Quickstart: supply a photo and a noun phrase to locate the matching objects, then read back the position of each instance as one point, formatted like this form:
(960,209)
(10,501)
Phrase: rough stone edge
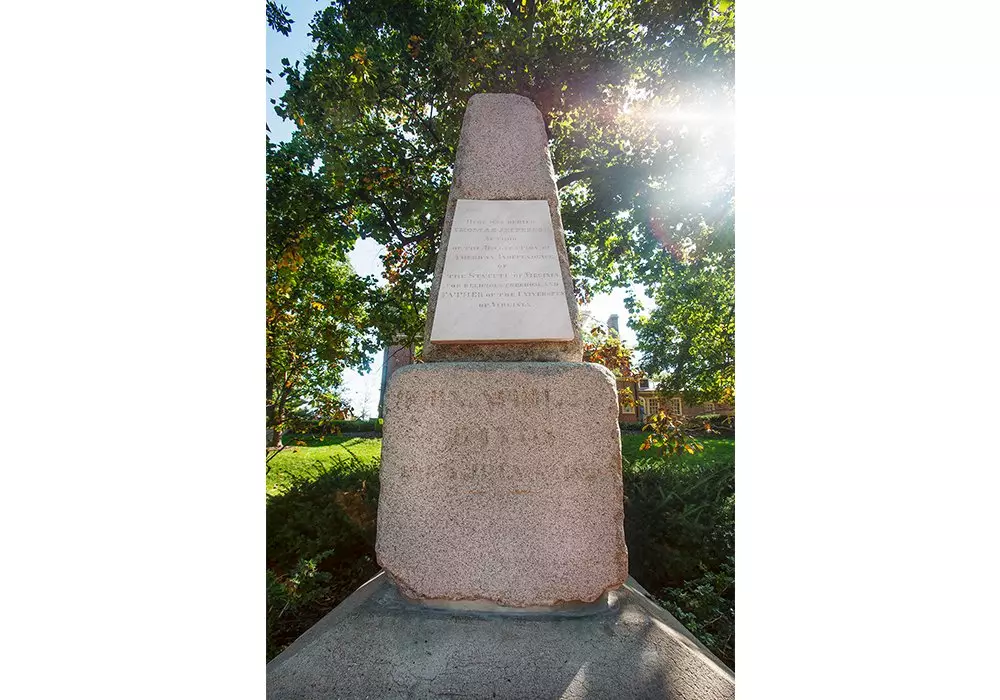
(407,592)
(571,351)
(529,366)
(603,605)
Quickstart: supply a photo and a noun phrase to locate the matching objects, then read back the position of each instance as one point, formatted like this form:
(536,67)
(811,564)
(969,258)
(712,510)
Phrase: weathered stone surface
(502,482)
(377,645)
(503,154)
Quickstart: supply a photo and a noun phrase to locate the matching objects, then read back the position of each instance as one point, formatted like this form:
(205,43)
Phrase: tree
(688,340)
(636,98)
(318,309)
(606,348)
(279,18)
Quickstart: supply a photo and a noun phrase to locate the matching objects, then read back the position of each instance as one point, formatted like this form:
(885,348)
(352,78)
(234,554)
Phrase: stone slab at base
(376,644)
(501,482)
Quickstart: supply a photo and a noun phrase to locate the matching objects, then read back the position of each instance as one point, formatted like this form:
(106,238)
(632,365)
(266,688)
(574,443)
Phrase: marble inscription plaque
(501,280)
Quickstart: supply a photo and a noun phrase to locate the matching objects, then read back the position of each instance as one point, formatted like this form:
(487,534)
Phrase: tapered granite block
(503,154)
(501,482)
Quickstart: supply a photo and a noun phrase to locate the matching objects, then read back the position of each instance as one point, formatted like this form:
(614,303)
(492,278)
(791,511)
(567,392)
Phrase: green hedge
(333,427)
(320,547)
(372,425)
(679,525)
(680,529)
(722,424)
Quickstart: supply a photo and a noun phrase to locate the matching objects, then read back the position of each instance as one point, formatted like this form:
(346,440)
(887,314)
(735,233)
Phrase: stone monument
(501,456)
(500,520)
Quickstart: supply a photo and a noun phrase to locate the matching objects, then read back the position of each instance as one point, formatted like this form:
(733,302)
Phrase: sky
(362,390)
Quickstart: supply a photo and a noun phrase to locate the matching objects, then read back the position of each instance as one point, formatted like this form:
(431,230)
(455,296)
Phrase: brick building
(648,401)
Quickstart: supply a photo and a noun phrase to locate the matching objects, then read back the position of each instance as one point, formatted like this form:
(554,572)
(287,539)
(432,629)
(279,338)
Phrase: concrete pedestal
(377,644)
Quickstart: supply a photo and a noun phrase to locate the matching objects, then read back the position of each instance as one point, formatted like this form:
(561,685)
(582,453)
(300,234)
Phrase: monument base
(501,482)
(377,644)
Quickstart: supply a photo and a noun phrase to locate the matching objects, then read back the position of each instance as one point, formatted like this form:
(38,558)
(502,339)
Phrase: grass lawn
(317,456)
(716,448)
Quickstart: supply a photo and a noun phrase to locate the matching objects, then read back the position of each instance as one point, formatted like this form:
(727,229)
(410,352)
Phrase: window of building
(675,406)
(628,407)
(644,384)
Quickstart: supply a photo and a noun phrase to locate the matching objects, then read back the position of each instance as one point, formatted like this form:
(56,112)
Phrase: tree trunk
(275,425)
(273,437)
(274,421)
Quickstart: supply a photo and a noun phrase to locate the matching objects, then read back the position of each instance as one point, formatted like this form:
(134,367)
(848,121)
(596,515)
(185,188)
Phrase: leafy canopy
(279,18)
(636,97)
(318,311)
(689,338)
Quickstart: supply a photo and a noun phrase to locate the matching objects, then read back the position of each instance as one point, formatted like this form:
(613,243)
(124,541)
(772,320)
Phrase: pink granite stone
(503,153)
(502,482)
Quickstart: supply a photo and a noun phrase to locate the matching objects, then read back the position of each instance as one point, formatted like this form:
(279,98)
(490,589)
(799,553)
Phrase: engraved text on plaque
(501,280)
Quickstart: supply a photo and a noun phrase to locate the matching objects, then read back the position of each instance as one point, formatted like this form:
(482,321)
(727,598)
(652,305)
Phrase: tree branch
(428,123)
(391,221)
(592,173)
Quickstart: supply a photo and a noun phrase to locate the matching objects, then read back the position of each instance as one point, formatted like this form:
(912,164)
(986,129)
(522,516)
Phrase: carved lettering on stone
(512,494)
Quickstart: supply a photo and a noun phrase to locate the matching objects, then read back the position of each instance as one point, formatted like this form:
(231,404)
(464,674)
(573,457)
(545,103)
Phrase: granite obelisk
(503,156)
(501,457)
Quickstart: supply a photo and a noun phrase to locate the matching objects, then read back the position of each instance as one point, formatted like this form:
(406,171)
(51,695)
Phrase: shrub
(372,425)
(705,606)
(680,530)
(722,423)
(320,546)
(669,435)
(303,431)
(294,597)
